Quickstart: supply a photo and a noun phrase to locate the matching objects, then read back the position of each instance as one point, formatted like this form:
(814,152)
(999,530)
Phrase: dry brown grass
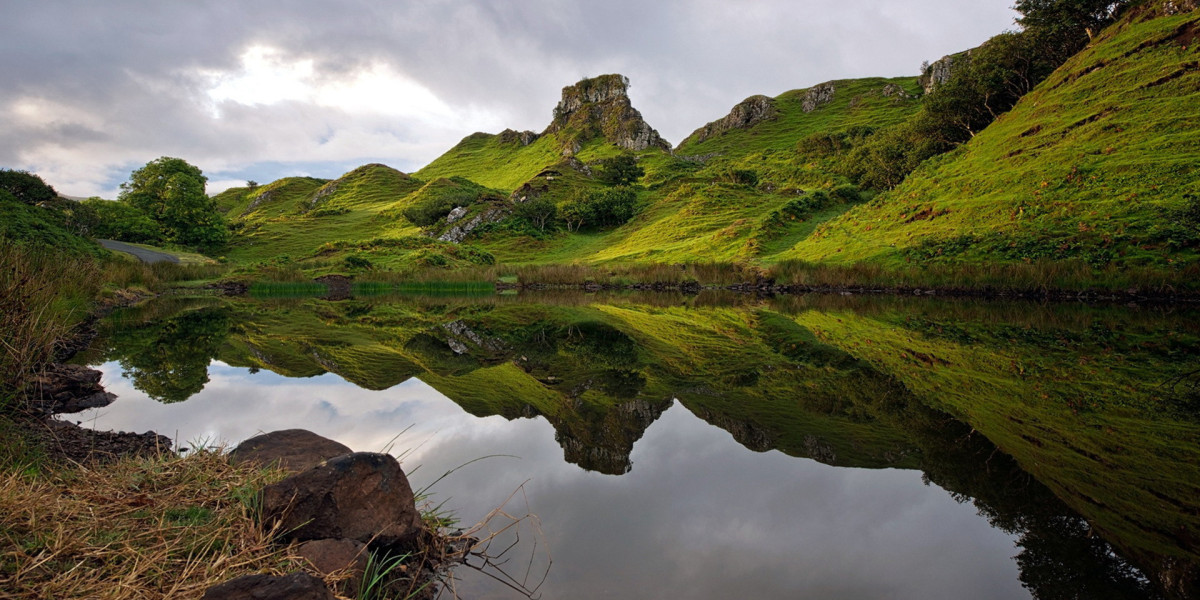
(137,529)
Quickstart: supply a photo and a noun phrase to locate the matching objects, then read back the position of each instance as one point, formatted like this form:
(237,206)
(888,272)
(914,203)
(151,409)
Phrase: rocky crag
(600,107)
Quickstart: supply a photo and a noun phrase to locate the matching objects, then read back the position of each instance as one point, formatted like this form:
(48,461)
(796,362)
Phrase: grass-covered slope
(733,191)
(305,218)
(1095,164)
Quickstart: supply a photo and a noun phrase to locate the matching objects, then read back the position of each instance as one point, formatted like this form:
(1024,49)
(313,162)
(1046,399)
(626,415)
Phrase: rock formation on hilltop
(746,114)
(600,107)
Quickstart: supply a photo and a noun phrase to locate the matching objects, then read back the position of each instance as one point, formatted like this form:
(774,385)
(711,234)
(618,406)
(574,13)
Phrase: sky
(262,90)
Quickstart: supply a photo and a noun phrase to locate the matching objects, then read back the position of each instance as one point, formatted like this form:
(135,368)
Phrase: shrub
(620,170)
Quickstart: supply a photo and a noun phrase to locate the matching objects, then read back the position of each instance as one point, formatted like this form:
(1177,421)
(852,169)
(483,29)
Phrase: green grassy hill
(1096,165)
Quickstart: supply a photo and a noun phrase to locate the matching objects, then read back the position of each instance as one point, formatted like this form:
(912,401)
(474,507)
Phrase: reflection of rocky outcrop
(604,445)
(746,433)
(462,338)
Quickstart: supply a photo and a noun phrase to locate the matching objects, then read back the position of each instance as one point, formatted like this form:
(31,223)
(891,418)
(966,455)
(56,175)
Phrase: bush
(357,262)
(600,208)
(26,187)
(121,221)
(620,170)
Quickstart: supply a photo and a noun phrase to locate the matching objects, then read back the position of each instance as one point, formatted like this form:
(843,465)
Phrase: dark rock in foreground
(361,496)
(334,556)
(293,450)
(70,442)
(296,586)
(67,389)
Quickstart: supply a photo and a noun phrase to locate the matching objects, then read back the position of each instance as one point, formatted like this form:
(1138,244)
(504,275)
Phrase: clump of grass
(159,528)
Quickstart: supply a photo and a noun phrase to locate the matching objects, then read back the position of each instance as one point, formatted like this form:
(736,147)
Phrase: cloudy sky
(261,90)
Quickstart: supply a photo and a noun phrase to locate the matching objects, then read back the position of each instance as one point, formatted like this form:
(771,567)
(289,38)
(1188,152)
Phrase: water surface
(715,448)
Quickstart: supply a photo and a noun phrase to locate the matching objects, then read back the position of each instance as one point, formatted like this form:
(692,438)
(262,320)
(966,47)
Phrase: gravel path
(144,255)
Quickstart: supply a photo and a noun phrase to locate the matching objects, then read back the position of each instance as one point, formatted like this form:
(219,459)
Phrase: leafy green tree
(121,221)
(620,170)
(1067,19)
(171,192)
(26,186)
(539,212)
(600,208)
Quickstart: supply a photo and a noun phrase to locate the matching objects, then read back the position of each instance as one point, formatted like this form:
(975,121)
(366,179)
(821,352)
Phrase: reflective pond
(654,446)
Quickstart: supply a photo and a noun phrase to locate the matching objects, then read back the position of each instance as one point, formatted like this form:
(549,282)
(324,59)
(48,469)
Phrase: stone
(746,114)
(602,104)
(817,96)
(362,496)
(294,450)
(68,389)
(296,586)
(337,556)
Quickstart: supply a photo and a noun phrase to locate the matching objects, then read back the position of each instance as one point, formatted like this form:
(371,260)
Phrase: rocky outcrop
(323,193)
(892,90)
(459,232)
(512,137)
(296,586)
(293,450)
(941,70)
(600,107)
(67,389)
(818,96)
(362,496)
(746,114)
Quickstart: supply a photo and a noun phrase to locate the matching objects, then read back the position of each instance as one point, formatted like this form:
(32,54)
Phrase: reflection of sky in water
(699,516)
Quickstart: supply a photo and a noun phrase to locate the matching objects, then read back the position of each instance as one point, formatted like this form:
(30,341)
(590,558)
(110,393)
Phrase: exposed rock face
(294,450)
(324,192)
(818,96)
(600,107)
(362,496)
(336,556)
(459,232)
(941,70)
(512,136)
(892,90)
(68,389)
(746,114)
(296,586)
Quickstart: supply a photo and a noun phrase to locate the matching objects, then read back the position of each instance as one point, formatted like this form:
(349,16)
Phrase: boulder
(68,389)
(362,496)
(337,556)
(296,586)
(294,450)
(817,96)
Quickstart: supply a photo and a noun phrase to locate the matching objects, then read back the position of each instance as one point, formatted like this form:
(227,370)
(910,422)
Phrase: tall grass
(159,528)
(42,297)
(45,294)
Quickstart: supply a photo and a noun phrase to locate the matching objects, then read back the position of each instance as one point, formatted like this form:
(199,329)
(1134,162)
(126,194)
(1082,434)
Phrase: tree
(1070,19)
(539,211)
(171,192)
(26,186)
(620,170)
(122,221)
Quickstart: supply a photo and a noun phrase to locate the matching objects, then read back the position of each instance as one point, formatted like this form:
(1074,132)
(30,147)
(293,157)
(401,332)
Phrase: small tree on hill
(620,170)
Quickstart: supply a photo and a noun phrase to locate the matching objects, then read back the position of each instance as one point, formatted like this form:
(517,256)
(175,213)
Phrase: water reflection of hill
(1058,422)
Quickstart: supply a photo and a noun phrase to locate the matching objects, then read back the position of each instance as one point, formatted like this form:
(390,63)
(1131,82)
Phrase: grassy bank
(45,295)
(160,528)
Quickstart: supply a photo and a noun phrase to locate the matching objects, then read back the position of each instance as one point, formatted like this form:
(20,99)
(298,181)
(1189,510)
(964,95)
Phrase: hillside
(594,119)
(735,189)
(1098,164)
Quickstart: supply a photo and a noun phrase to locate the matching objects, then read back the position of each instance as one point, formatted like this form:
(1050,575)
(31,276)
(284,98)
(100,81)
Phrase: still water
(663,446)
